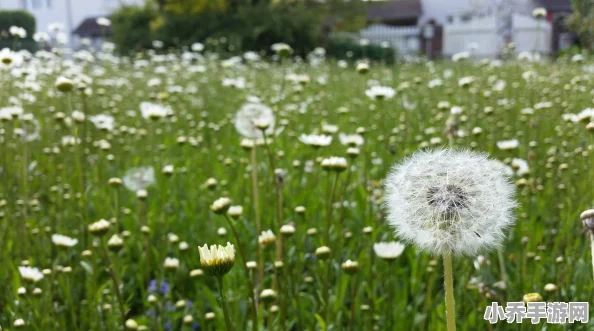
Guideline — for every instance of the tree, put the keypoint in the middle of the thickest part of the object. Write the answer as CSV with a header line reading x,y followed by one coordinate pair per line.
x,y
581,22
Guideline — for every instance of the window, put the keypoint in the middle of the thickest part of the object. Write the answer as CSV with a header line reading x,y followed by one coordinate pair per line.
x,y
36,4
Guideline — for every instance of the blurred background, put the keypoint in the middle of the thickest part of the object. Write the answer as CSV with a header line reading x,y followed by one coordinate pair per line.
x,y
345,28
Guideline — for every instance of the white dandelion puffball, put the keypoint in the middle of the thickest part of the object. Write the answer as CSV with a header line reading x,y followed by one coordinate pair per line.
x,y
137,179
252,114
449,201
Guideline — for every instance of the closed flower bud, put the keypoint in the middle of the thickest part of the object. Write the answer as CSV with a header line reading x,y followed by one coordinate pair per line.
x,y
266,238
532,297
350,267
221,205
268,295
323,252
131,324
196,273
188,320
287,230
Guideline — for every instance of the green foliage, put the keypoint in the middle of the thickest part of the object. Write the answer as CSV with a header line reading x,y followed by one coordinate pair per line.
x,y
347,49
253,27
131,27
581,22
21,19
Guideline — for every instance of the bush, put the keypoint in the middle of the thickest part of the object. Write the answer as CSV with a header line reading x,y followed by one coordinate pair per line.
x,y
348,49
21,19
254,28
131,26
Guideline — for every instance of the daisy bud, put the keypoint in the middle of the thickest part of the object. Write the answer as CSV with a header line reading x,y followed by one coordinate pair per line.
x,y
188,320
362,67
550,287
300,210
211,184
168,170
19,323
171,263
115,243
141,194
287,230
221,232
388,250
218,260
268,295
196,273
532,297
323,252
183,246
99,228
64,84
221,205
235,211
209,316
251,264
350,267
37,291
151,298
131,324
266,238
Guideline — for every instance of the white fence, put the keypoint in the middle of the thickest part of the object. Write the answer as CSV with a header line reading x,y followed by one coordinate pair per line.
x,y
404,39
531,35
527,33
458,36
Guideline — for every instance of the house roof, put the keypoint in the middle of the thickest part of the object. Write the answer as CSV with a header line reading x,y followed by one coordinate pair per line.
x,y
90,29
556,5
396,10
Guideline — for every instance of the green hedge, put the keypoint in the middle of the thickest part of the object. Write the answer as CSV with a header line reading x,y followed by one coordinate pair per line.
x,y
255,28
348,49
131,28
247,28
21,19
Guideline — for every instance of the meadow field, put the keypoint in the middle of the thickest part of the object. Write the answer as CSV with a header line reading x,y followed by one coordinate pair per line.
x,y
116,169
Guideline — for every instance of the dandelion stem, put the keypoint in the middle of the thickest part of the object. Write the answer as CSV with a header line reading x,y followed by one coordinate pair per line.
x,y
449,292
224,304
257,213
592,244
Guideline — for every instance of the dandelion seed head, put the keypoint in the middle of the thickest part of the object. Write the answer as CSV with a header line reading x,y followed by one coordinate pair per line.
x,y
252,119
447,201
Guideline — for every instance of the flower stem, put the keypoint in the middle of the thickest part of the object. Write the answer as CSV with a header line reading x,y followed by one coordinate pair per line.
x,y
449,292
224,304
329,211
256,202
247,275
592,244
116,284
353,302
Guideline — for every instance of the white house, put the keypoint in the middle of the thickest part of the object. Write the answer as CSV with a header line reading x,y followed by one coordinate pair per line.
x,y
68,12
489,24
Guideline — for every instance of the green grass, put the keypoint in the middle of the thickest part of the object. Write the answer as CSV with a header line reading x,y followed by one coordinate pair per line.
x,y
63,191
